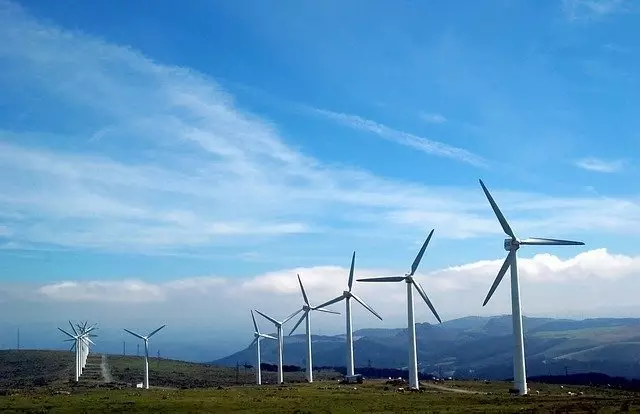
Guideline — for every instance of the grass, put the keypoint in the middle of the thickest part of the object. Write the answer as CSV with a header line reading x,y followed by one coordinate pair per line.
x,y
321,397
186,387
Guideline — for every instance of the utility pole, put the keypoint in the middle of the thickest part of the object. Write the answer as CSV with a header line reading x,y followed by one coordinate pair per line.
x,y
18,338
138,351
237,372
124,348
566,370
158,358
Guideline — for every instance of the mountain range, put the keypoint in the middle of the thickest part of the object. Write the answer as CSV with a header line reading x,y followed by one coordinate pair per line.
x,y
477,347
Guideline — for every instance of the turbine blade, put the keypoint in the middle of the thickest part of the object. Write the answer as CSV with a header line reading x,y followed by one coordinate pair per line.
x,y
383,279
72,328
154,332
422,293
255,339
72,346
268,336
496,210
369,308
299,322
304,294
501,273
66,333
326,311
550,242
255,325
416,262
135,334
353,260
268,317
291,316
331,302
90,341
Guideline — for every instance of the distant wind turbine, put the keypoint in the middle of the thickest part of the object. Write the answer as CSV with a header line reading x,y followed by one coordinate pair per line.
x,y
79,339
257,337
306,308
278,325
512,244
146,352
346,296
411,322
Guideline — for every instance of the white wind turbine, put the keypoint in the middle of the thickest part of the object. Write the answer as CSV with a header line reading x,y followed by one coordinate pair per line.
x,y
512,244
85,340
306,308
347,295
278,325
79,339
411,322
257,337
146,352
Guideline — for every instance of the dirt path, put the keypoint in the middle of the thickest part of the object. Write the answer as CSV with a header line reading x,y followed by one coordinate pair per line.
x,y
104,367
458,390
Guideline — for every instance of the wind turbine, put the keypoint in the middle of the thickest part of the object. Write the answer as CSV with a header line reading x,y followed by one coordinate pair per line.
x,y
347,295
85,340
512,244
78,338
257,336
306,308
411,322
278,325
146,352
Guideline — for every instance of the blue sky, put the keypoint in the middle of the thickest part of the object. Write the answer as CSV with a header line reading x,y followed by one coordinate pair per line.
x,y
207,144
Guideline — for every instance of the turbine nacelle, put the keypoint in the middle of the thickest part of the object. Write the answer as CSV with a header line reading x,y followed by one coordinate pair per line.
x,y
511,244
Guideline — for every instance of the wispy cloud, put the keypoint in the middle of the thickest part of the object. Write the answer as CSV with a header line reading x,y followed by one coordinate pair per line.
x,y
199,171
404,138
593,9
433,118
599,165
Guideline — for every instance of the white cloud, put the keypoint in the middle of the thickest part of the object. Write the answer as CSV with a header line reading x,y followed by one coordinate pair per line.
x,y
599,165
404,138
449,288
433,118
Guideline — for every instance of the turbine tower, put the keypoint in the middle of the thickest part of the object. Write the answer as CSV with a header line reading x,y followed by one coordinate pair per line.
x,y
278,325
512,244
146,352
347,295
257,337
306,308
411,322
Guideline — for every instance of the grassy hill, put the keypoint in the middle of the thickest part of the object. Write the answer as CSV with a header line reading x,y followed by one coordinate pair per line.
x,y
35,368
38,381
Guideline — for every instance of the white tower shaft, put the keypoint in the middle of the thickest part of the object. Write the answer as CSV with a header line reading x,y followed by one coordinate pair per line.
x,y
258,370
146,364
280,348
309,361
77,359
350,362
411,326
519,370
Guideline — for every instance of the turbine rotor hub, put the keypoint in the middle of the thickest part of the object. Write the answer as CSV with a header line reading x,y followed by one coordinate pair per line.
x,y
511,244
346,294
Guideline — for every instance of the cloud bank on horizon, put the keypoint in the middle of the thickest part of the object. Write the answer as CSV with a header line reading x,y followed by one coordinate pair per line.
x,y
131,171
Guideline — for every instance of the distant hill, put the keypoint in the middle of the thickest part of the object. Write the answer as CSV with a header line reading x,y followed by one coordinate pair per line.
x,y
479,347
